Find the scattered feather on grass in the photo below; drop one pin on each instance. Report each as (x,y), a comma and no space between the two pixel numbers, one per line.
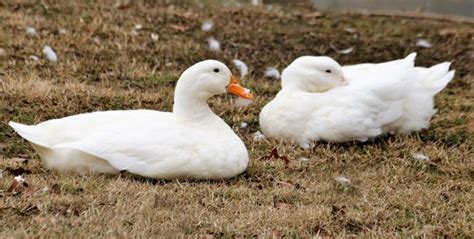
(154,36)
(243,125)
(241,102)
(34,58)
(31,31)
(207,26)
(243,68)
(134,32)
(256,2)
(343,181)
(303,159)
(272,72)
(342,51)
(423,43)
(258,136)
(350,30)
(44,190)
(138,27)
(345,51)
(50,54)
(214,45)
(19,179)
(420,157)
(96,40)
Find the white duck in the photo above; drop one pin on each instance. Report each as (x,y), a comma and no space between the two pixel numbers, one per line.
(190,142)
(320,100)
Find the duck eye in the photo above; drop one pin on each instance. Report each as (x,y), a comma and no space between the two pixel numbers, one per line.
(328,71)
(216,70)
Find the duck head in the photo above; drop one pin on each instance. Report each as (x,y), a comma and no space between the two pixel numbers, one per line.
(313,74)
(209,78)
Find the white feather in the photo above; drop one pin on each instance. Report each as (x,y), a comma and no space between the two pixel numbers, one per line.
(138,27)
(258,136)
(240,102)
(420,157)
(154,36)
(423,43)
(272,72)
(256,2)
(214,45)
(20,179)
(343,180)
(243,68)
(50,54)
(31,31)
(34,58)
(207,25)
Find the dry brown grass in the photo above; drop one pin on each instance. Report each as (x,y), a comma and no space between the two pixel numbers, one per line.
(391,195)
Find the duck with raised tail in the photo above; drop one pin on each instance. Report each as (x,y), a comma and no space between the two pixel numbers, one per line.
(320,100)
(190,142)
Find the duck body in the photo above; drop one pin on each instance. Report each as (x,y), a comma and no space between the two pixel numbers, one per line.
(190,142)
(391,97)
(144,142)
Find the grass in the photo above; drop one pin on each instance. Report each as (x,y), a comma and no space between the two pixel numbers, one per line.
(102,66)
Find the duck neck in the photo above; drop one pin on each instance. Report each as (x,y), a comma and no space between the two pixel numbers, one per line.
(189,107)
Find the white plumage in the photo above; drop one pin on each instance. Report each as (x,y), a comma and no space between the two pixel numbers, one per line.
(320,100)
(190,142)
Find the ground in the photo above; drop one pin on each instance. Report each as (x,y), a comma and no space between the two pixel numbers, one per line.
(103,64)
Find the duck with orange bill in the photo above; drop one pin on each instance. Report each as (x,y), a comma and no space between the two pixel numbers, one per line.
(189,142)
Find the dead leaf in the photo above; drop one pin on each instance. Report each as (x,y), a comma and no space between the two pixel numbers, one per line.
(274,155)
(313,15)
(30,190)
(282,206)
(455,31)
(206,236)
(189,15)
(17,187)
(275,234)
(122,4)
(179,27)
(286,184)
(21,187)
(19,160)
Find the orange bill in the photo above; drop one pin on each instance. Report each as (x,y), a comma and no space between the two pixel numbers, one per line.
(236,89)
